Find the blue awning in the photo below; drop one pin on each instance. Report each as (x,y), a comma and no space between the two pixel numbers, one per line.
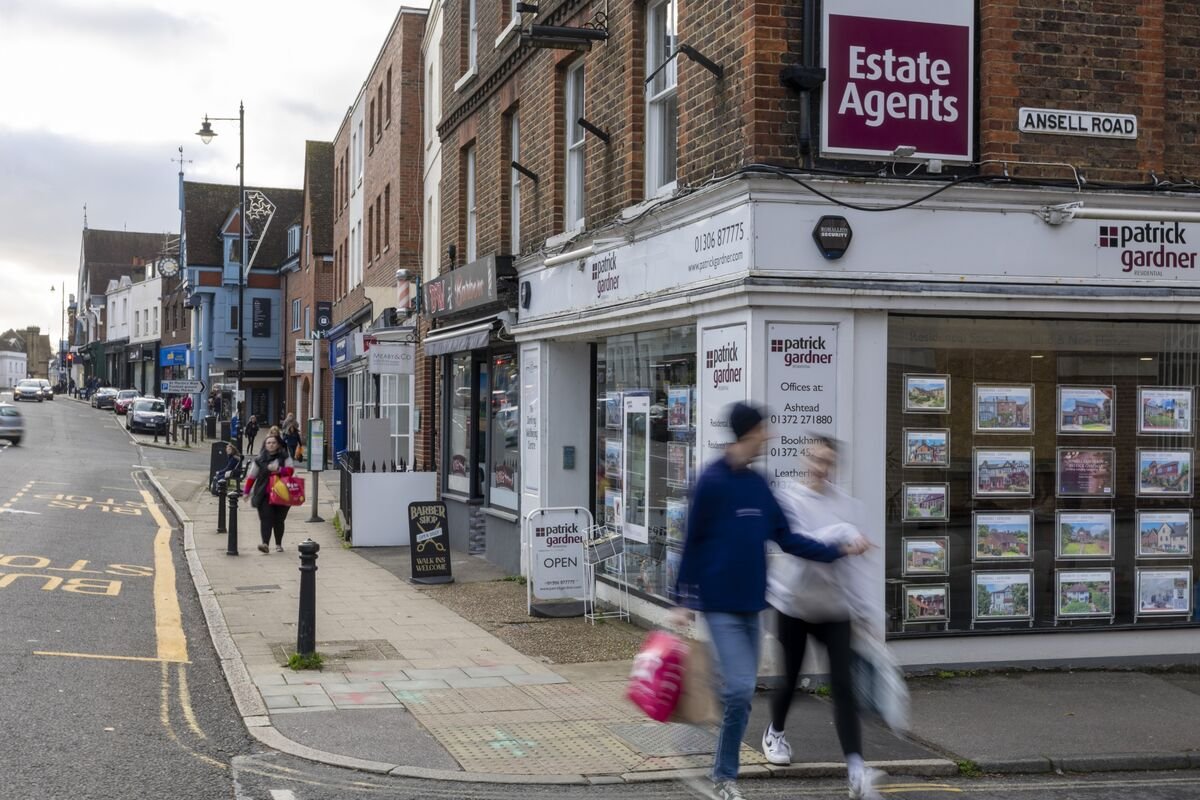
(176,355)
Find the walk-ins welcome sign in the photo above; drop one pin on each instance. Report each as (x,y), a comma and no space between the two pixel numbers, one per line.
(898,76)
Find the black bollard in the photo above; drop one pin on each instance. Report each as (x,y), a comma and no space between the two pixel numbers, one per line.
(231,549)
(222,487)
(306,630)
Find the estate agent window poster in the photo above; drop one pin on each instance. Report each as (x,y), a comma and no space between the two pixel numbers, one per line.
(1003,536)
(1003,473)
(925,501)
(1164,410)
(1164,534)
(679,415)
(927,447)
(927,602)
(1086,472)
(612,461)
(1084,534)
(1164,592)
(612,410)
(926,556)
(1004,409)
(1002,595)
(927,394)
(678,461)
(636,485)
(1085,409)
(676,520)
(1164,473)
(1084,593)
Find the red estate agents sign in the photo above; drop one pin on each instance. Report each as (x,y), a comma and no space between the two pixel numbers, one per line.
(899,75)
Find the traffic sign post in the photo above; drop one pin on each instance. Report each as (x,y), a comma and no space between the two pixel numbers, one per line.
(181,387)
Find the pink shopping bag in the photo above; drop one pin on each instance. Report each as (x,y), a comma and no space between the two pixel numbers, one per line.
(656,680)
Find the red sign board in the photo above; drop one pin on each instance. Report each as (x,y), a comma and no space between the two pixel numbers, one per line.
(895,83)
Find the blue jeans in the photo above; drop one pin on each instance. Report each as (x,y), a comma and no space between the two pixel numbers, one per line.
(736,644)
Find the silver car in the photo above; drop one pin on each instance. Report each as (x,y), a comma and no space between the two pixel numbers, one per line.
(28,389)
(12,424)
(147,414)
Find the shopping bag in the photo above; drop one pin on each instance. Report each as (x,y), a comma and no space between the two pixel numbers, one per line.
(698,703)
(879,685)
(286,491)
(656,680)
(299,456)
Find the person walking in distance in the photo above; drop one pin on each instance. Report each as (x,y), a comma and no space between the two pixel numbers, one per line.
(823,601)
(273,460)
(722,574)
(251,432)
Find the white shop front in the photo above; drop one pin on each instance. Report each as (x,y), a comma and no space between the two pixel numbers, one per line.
(1012,381)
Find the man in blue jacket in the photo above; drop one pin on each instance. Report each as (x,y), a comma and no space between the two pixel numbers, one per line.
(723,574)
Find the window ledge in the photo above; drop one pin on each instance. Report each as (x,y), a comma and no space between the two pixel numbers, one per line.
(514,24)
(501,513)
(467,77)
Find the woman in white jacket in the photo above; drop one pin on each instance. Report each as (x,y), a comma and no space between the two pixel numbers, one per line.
(822,601)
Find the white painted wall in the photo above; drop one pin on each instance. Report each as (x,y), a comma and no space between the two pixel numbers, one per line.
(358,116)
(431,214)
(146,297)
(119,311)
(12,368)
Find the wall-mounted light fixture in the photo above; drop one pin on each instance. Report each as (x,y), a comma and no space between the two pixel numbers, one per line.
(562,37)
(1057,215)
(904,151)
(593,130)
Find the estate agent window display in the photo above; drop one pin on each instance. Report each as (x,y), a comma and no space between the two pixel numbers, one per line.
(645,449)
(1043,481)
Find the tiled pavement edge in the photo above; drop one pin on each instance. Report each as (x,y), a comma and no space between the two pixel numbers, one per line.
(502,715)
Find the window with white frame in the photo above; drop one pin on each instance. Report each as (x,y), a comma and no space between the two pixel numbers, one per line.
(360,153)
(354,158)
(471,227)
(155,331)
(307,320)
(472,36)
(395,405)
(137,322)
(573,180)
(296,314)
(293,240)
(514,186)
(431,90)
(662,107)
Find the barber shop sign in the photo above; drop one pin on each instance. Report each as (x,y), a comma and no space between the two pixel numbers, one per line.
(899,79)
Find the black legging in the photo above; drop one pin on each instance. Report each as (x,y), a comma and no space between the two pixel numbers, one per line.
(270,518)
(793,635)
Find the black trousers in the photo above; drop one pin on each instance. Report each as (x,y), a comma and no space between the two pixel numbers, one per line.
(793,635)
(270,520)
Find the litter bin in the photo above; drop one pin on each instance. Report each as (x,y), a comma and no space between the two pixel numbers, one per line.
(225,431)
(210,426)
(216,459)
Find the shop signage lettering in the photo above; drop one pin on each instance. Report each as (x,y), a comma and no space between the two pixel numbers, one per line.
(801,394)
(722,383)
(605,276)
(470,286)
(898,77)
(1077,123)
(391,358)
(556,542)
(530,391)
(725,363)
(1139,256)
(429,543)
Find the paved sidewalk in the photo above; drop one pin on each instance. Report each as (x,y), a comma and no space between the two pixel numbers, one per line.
(412,688)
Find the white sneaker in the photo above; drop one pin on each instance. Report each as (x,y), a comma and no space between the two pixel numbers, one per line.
(776,748)
(862,786)
(728,790)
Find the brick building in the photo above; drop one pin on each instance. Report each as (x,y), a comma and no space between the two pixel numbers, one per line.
(308,280)
(811,205)
(377,231)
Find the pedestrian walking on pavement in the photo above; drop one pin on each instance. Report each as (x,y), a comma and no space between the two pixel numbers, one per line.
(722,574)
(824,601)
(251,432)
(273,460)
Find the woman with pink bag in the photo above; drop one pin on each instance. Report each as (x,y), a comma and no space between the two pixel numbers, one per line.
(273,460)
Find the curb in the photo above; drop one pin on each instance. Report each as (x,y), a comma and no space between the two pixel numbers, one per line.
(258,723)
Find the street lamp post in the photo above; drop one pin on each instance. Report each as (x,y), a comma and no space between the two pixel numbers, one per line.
(206,134)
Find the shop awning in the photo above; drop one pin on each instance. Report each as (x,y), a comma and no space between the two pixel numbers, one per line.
(459,338)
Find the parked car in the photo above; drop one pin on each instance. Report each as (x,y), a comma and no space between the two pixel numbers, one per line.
(147,414)
(12,424)
(47,389)
(28,389)
(103,398)
(124,400)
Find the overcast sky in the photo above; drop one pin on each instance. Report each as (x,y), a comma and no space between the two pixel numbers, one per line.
(97,95)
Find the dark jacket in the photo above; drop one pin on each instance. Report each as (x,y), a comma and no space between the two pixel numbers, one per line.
(732,515)
(260,471)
